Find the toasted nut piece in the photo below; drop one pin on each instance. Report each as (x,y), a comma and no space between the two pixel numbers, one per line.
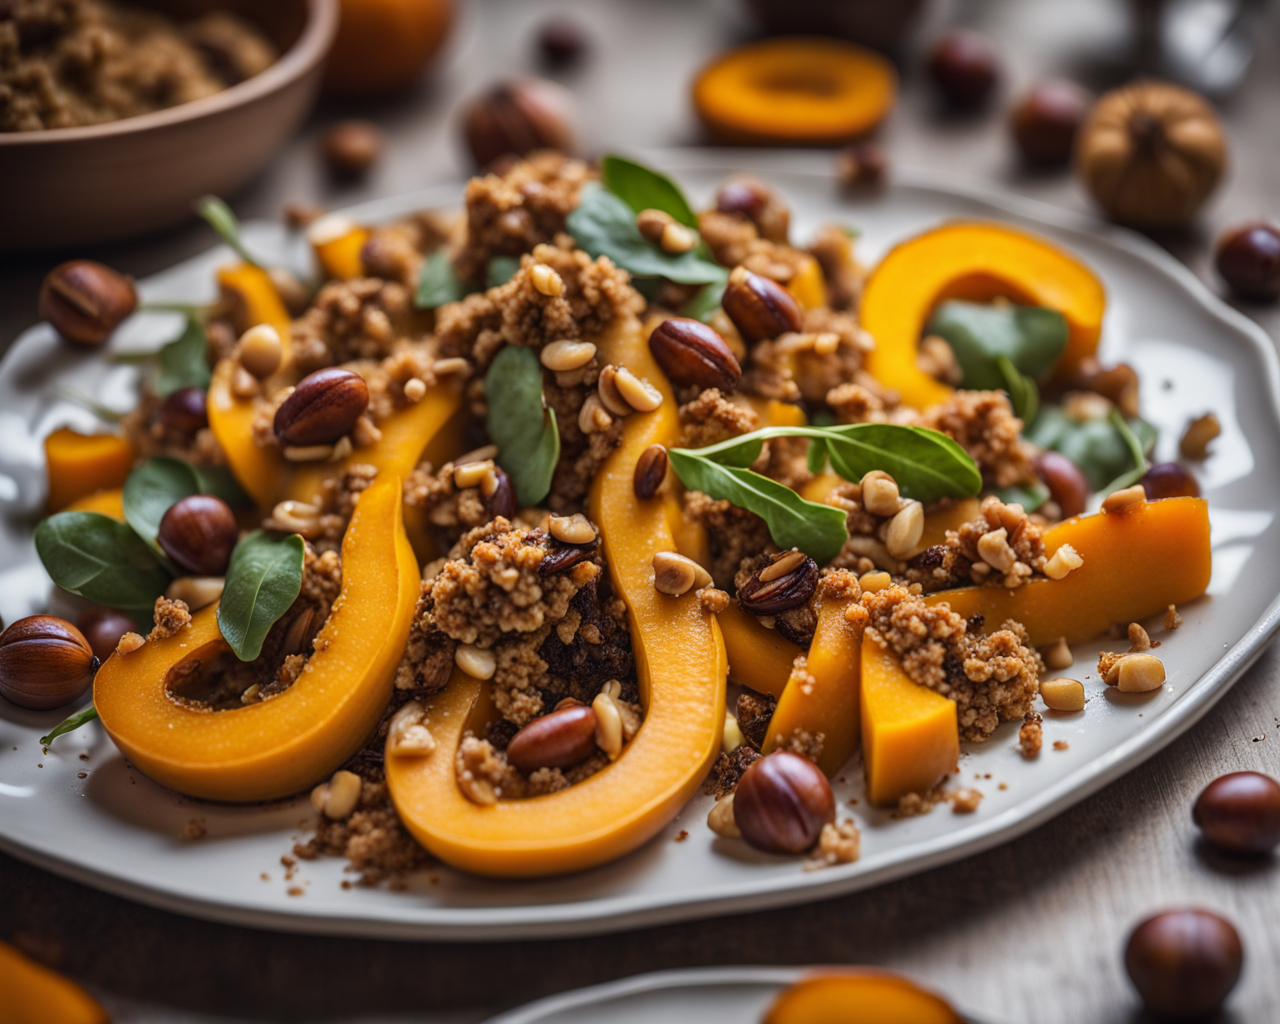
(297,517)
(995,550)
(608,391)
(487,452)
(1082,406)
(309,453)
(1057,655)
(129,642)
(1195,439)
(676,238)
(905,530)
(450,366)
(199,533)
(1065,560)
(546,280)
(675,575)
(408,735)
(720,819)
(477,662)
(85,301)
(196,592)
(692,354)
(415,389)
(637,393)
(613,688)
(651,469)
(1062,694)
(759,307)
(1139,673)
(880,494)
(651,223)
(260,350)
(574,529)
(322,408)
(875,581)
(329,228)
(594,417)
(342,449)
(243,383)
(1122,501)
(826,344)
(608,725)
(1172,620)
(783,589)
(1139,640)
(471,474)
(562,356)
(561,739)
(732,738)
(780,567)
(339,797)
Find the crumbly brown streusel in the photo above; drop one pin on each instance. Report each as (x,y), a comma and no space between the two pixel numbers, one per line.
(984,425)
(1018,552)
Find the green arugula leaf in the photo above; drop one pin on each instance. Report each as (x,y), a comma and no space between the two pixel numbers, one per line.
(604,225)
(437,283)
(1030,496)
(184,362)
(500,270)
(149,492)
(816,456)
(1136,453)
(643,188)
(70,724)
(1024,393)
(817,530)
(263,580)
(520,424)
(101,559)
(221,483)
(706,300)
(1031,337)
(1101,451)
(225,223)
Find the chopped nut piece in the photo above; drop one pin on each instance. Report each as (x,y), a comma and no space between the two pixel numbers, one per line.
(720,819)
(309,453)
(637,393)
(1061,745)
(1031,735)
(408,734)
(783,565)
(1139,640)
(838,843)
(1122,501)
(1064,561)
(965,801)
(1172,620)
(1139,673)
(594,418)
(1057,655)
(905,530)
(1195,439)
(546,280)
(873,582)
(471,474)
(415,389)
(713,600)
(260,350)
(574,529)
(880,494)
(337,798)
(128,643)
(475,661)
(675,574)
(995,550)
(1062,694)
(195,592)
(608,725)
(565,355)
(732,738)
(448,367)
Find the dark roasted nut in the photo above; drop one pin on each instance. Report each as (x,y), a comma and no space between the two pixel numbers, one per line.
(45,662)
(1184,963)
(797,625)
(103,628)
(1248,258)
(861,165)
(351,147)
(759,307)
(517,117)
(184,410)
(964,67)
(1118,384)
(1169,480)
(754,710)
(562,559)
(691,353)
(786,582)
(499,496)
(1240,813)
(782,802)
(1067,484)
(199,533)
(1045,122)
(759,204)
(559,740)
(85,301)
(323,407)
(561,40)
(651,470)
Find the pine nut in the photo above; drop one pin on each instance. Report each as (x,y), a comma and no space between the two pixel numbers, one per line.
(732,738)
(329,228)
(1139,639)
(1139,673)
(676,238)
(1058,655)
(565,355)
(720,819)
(594,417)
(826,344)
(905,530)
(342,448)
(297,517)
(880,494)
(675,575)
(639,394)
(1062,694)
(1065,560)
(450,366)
(308,453)
(613,688)
(873,582)
(195,592)
(243,383)
(415,389)
(475,661)
(574,529)
(337,798)
(408,735)
(651,223)
(470,474)
(128,643)
(608,725)
(607,387)
(783,565)
(1172,620)
(1082,406)
(546,280)
(1195,439)
(1122,501)
(260,350)
(994,549)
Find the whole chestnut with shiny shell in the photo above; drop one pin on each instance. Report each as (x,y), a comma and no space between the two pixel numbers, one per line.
(45,662)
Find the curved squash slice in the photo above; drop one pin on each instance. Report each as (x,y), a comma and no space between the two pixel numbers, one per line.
(79,465)
(30,993)
(109,502)
(859,997)
(681,665)
(282,745)
(758,657)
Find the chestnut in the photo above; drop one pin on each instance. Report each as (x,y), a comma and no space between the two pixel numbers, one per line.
(782,802)
(1169,480)
(351,147)
(199,533)
(517,117)
(964,67)
(1240,812)
(1046,120)
(85,301)
(103,627)
(1248,258)
(1065,480)
(45,662)
(1184,963)
(561,41)
(323,407)
(184,410)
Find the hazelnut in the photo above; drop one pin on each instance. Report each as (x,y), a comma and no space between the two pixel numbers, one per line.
(199,533)
(103,628)
(323,407)
(785,583)
(760,308)
(45,662)
(85,301)
(184,410)
(499,497)
(1046,121)
(1184,963)
(561,41)
(260,351)
(517,117)
(1065,480)
(692,354)
(1240,813)
(1248,258)
(861,165)
(651,470)
(559,740)
(351,147)
(754,200)
(782,802)
(964,67)
(1169,480)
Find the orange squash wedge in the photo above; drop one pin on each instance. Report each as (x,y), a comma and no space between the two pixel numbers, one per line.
(81,464)
(856,996)
(109,502)
(680,661)
(758,657)
(978,262)
(339,256)
(31,993)
(282,745)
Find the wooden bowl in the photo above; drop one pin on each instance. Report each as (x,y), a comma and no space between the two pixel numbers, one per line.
(77,186)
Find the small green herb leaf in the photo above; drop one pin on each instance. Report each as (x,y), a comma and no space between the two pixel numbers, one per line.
(100,558)
(1024,393)
(184,362)
(437,283)
(604,225)
(706,300)
(263,580)
(1030,496)
(1031,337)
(151,489)
(642,188)
(500,270)
(1101,451)
(223,221)
(519,423)
(70,724)
(817,530)
(1136,453)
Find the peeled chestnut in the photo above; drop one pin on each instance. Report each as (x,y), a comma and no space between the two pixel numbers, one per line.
(45,662)
(1065,480)
(517,117)
(782,802)
(1248,258)
(184,410)
(1047,119)
(1184,963)
(199,533)
(85,301)
(964,67)
(1169,480)
(103,628)
(1240,812)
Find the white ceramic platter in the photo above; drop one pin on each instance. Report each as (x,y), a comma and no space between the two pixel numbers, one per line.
(116,830)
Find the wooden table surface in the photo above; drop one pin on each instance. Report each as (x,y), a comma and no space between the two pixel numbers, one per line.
(1031,931)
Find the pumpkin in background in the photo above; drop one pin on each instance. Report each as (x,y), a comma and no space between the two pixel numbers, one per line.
(383,45)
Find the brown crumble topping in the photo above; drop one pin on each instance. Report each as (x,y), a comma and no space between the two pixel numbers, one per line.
(983,424)
(1031,735)
(681,836)
(193,830)
(713,600)
(150,437)
(711,418)
(965,801)
(733,533)
(727,770)
(364,318)
(171,617)
(1061,745)
(832,247)
(802,742)
(1005,547)
(1172,620)
(324,522)
(753,713)
(808,364)
(372,838)
(838,843)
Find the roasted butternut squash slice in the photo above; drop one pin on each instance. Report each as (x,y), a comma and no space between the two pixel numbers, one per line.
(1136,564)
(758,657)
(81,464)
(30,993)
(859,997)
(282,745)
(978,262)
(681,665)
(339,255)
(109,502)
